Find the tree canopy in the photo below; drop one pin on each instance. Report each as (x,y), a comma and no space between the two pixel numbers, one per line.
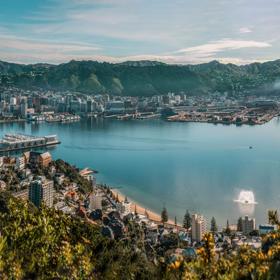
(164,215)
(47,244)
(214,227)
(187,220)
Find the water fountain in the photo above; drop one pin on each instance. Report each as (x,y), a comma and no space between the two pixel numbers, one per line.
(246,197)
(246,202)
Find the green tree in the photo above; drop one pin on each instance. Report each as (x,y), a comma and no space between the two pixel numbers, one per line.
(187,220)
(214,227)
(227,230)
(164,215)
(42,243)
(273,217)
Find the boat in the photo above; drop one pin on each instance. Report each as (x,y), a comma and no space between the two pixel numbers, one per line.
(14,142)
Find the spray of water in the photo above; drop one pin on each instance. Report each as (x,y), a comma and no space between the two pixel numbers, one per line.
(246,197)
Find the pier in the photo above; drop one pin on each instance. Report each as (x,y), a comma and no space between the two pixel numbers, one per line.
(14,142)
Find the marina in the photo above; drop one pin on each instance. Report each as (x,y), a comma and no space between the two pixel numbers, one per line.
(14,142)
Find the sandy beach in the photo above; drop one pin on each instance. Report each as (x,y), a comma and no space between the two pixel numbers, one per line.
(140,209)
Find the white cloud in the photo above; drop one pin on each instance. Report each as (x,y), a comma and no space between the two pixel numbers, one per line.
(56,58)
(23,44)
(28,51)
(143,29)
(215,47)
(244,30)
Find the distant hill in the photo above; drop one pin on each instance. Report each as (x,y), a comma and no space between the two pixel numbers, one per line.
(144,78)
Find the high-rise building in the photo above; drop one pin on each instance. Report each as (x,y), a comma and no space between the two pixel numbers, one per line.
(13,101)
(23,108)
(83,107)
(95,202)
(198,227)
(41,191)
(246,224)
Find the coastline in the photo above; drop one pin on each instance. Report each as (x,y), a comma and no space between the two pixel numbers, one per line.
(153,216)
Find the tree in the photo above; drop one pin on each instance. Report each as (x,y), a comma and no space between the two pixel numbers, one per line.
(187,220)
(273,217)
(175,221)
(214,227)
(71,249)
(227,231)
(164,215)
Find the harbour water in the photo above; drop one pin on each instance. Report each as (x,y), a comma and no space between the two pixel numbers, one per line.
(197,166)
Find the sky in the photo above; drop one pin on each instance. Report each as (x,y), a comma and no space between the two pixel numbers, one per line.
(172,31)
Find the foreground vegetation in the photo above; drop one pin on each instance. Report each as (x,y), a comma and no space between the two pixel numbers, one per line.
(46,244)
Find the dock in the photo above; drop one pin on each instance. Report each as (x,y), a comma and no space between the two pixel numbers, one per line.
(14,142)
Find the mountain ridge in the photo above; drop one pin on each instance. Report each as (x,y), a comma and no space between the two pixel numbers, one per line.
(143,77)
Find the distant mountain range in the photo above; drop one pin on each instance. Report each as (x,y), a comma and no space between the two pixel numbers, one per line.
(144,78)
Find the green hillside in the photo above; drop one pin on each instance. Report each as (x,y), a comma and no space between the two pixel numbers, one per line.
(144,78)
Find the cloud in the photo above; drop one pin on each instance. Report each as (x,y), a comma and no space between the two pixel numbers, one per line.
(244,30)
(113,20)
(61,57)
(23,44)
(116,30)
(25,50)
(215,47)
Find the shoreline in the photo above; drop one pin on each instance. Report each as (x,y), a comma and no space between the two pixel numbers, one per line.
(152,215)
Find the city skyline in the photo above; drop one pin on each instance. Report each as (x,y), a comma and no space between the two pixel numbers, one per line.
(55,31)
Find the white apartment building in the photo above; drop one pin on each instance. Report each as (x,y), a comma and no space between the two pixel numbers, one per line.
(199,227)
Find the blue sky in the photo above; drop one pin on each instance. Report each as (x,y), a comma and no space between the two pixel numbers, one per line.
(174,31)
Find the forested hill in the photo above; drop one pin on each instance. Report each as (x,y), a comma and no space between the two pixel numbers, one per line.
(144,77)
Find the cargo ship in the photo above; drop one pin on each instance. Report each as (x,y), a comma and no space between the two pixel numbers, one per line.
(14,142)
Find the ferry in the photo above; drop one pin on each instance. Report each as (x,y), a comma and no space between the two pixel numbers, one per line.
(14,142)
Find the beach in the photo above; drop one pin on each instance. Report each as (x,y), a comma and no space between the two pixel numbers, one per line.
(153,216)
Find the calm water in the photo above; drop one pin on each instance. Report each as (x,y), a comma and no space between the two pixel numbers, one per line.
(200,167)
